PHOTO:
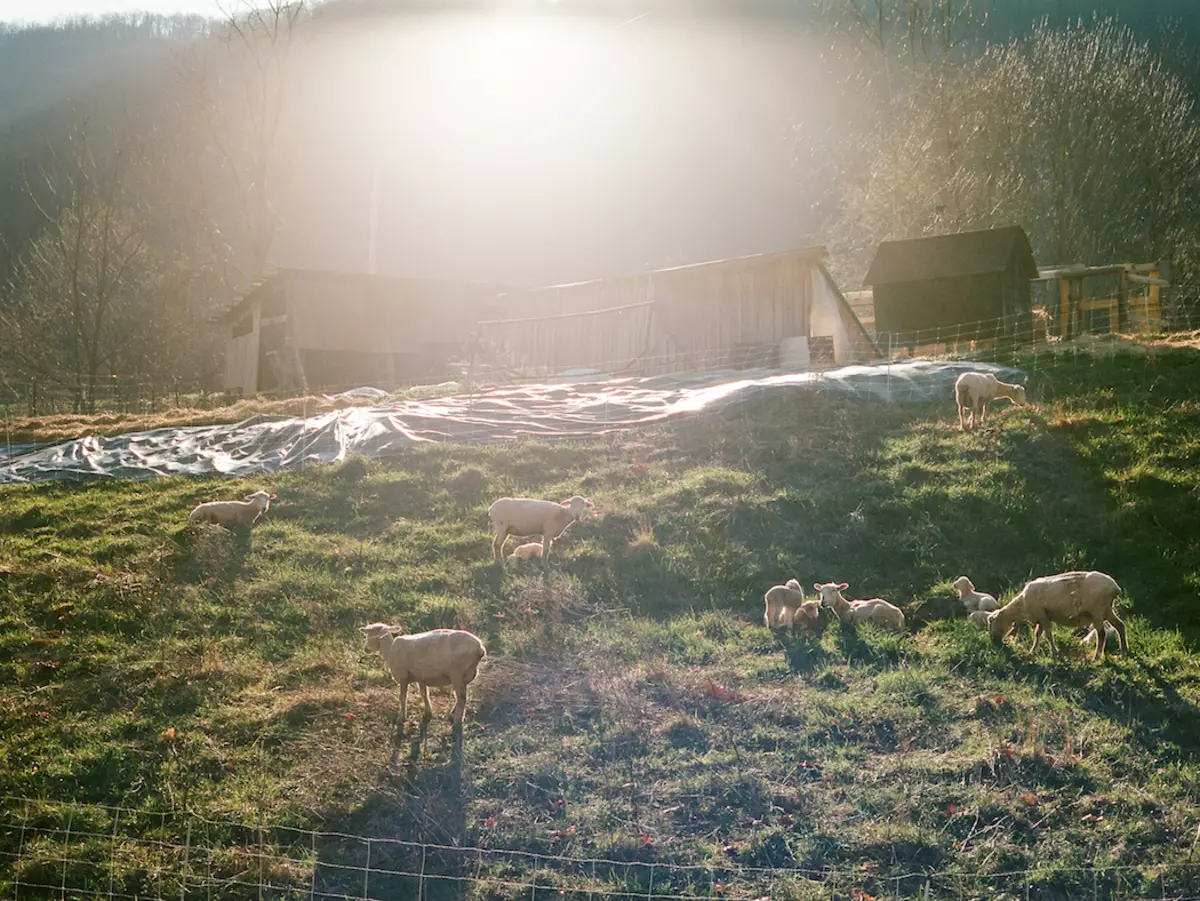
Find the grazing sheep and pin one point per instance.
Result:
(875, 610)
(431, 659)
(786, 606)
(973, 391)
(973, 600)
(527, 516)
(226, 513)
(526, 551)
(1069, 599)
(981, 619)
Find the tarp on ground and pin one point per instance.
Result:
(264, 444)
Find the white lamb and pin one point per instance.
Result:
(973, 600)
(227, 513)
(974, 390)
(526, 551)
(980, 619)
(786, 606)
(431, 659)
(525, 516)
(875, 610)
(1069, 599)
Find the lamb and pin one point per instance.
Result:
(875, 610)
(526, 551)
(527, 516)
(1070, 599)
(431, 659)
(973, 600)
(227, 513)
(786, 606)
(980, 619)
(973, 391)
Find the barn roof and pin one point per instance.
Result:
(277, 275)
(983, 252)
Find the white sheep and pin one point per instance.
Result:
(227, 513)
(526, 551)
(431, 659)
(875, 610)
(785, 605)
(525, 516)
(1069, 599)
(980, 619)
(974, 390)
(973, 600)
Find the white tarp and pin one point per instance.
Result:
(545, 411)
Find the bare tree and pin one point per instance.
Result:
(89, 287)
(1079, 134)
(236, 89)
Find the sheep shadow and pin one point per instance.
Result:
(1124, 689)
(207, 551)
(803, 650)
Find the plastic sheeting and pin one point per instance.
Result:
(264, 444)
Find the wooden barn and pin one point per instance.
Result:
(302, 328)
(947, 288)
(762, 310)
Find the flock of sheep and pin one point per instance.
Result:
(451, 657)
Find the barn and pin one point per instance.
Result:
(761, 310)
(301, 327)
(966, 286)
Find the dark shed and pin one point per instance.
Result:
(953, 287)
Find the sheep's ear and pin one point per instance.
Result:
(273, 496)
(364, 629)
(842, 586)
(588, 504)
(816, 586)
(563, 504)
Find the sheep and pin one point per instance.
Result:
(431, 659)
(1070, 599)
(973, 600)
(227, 513)
(875, 610)
(973, 391)
(785, 606)
(526, 551)
(527, 516)
(980, 619)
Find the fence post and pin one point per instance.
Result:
(366, 873)
(187, 848)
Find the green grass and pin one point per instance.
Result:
(633, 707)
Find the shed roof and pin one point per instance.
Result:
(815, 253)
(982, 252)
(276, 276)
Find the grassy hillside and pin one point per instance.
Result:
(633, 707)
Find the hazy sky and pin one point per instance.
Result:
(47, 10)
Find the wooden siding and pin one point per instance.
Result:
(717, 314)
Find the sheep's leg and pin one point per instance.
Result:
(1050, 638)
(983, 413)
(1037, 638)
(403, 704)
(547, 543)
(962, 425)
(425, 696)
(498, 545)
(460, 704)
(1120, 627)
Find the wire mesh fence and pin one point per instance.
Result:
(70, 849)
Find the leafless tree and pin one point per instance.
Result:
(89, 292)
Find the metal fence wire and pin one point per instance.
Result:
(71, 849)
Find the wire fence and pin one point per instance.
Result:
(490, 361)
(77, 850)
